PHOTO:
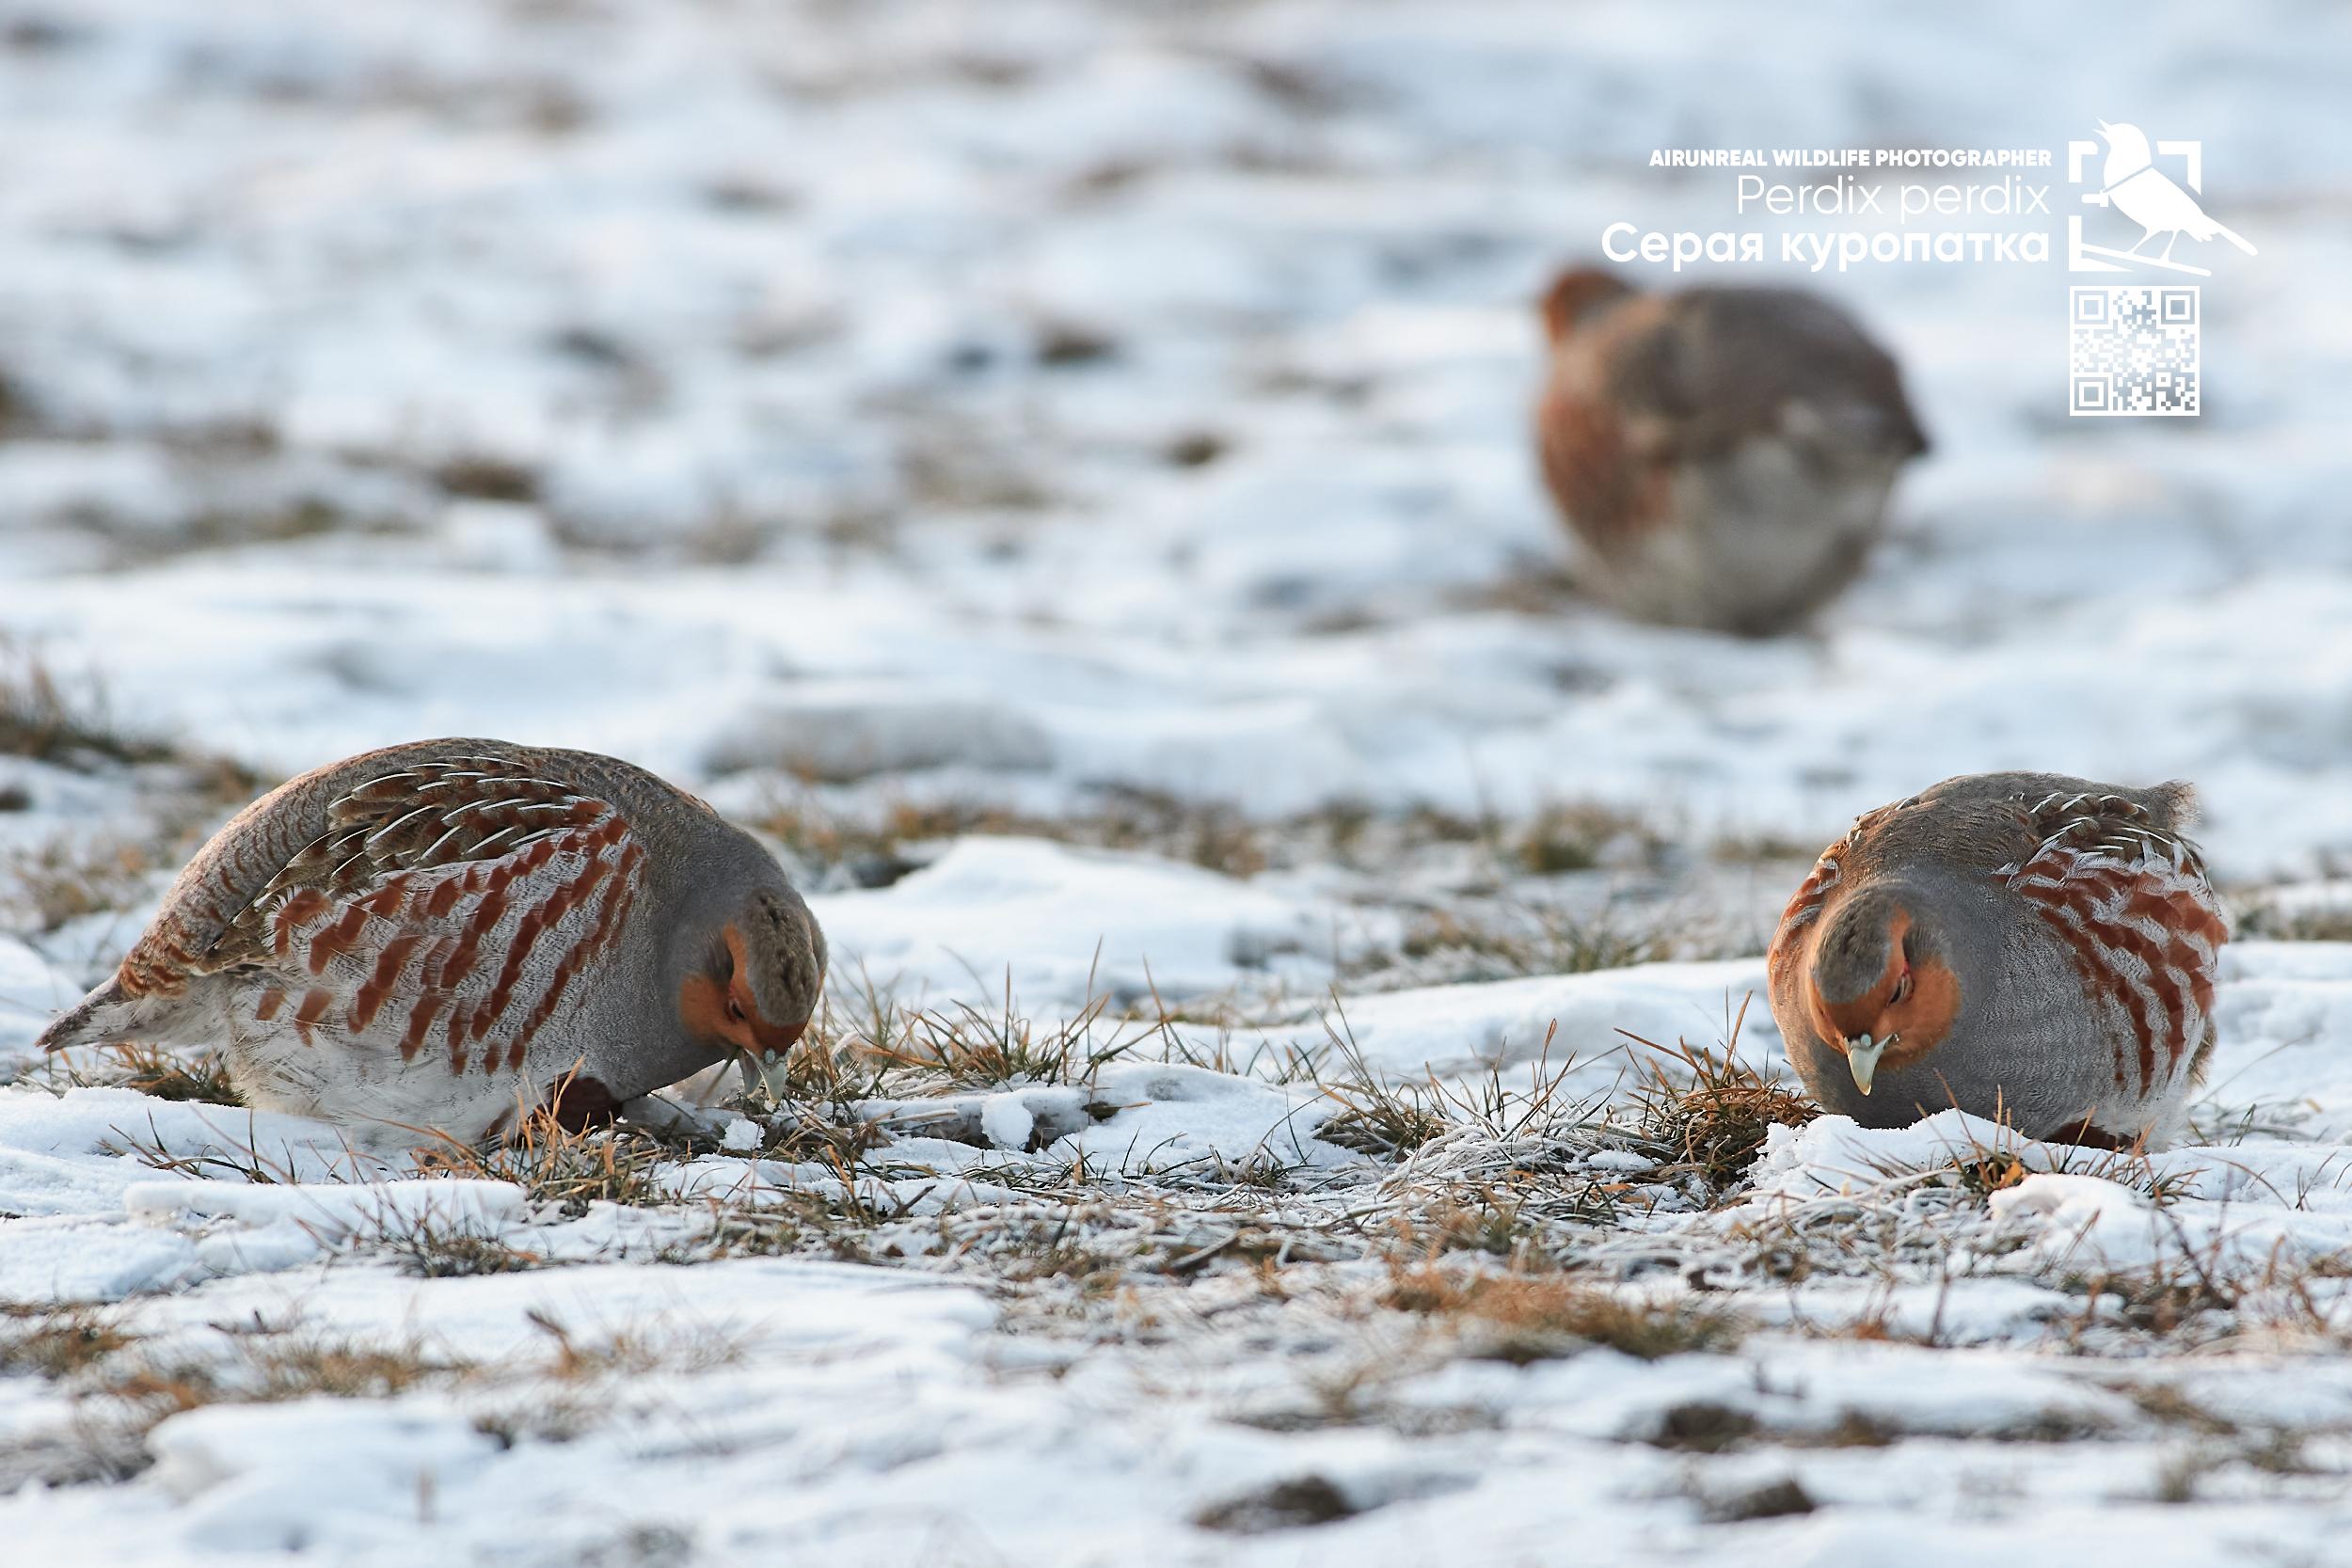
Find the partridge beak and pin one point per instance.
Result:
(2104, 128)
(764, 1074)
(764, 1068)
(1862, 1059)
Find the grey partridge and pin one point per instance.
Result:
(435, 936)
(2030, 947)
(1725, 455)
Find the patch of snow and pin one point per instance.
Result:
(1066, 924)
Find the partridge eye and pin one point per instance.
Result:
(734, 1009)
(1903, 988)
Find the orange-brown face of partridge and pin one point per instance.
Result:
(760, 986)
(1879, 988)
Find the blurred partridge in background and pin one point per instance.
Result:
(1725, 455)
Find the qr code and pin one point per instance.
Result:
(2132, 350)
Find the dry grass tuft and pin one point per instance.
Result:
(1487, 1220)
(294, 1366)
(296, 517)
(1035, 1247)
(1385, 1120)
(1521, 1318)
(54, 1342)
(1514, 1163)
(1703, 1426)
(558, 1165)
(874, 1046)
(961, 470)
(429, 1252)
(200, 1076)
(70, 877)
(2167, 1404)
(876, 849)
(872, 845)
(1535, 941)
(482, 477)
(2166, 1299)
(121, 1385)
(636, 1351)
(1389, 1119)
(1760, 849)
(43, 718)
(1292, 1504)
(2272, 921)
(1509, 938)
(1711, 1109)
(154, 1151)
(1582, 837)
(972, 1048)
(266, 1368)
(1777, 1499)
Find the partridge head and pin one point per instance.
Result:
(756, 983)
(1883, 985)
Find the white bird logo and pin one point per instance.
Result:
(2147, 196)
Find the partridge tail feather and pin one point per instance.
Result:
(104, 1016)
(2236, 238)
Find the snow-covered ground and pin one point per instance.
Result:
(1061, 471)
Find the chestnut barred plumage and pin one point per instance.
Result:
(434, 936)
(2024, 945)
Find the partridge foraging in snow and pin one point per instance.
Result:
(1724, 454)
(431, 936)
(2025, 946)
